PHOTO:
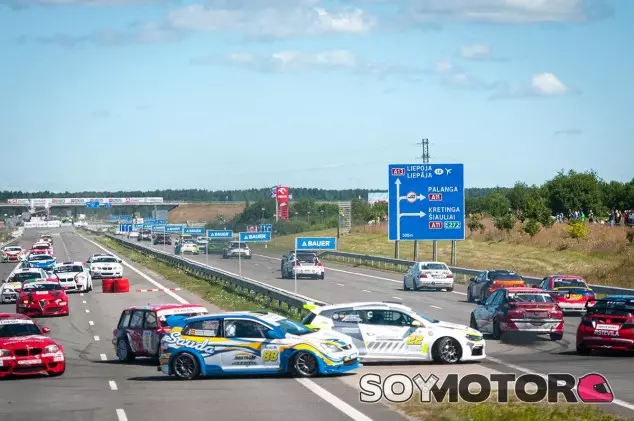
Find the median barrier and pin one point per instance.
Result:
(121, 285)
(107, 285)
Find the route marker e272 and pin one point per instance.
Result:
(426, 202)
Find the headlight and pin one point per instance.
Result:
(51, 349)
(5, 353)
(475, 337)
(331, 347)
(62, 303)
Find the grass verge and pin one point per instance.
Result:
(598, 267)
(215, 292)
(515, 411)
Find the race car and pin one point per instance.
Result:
(73, 276)
(41, 248)
(12, 286)
(608, 324)
(386, 331)
(569, 291)
(285, 258)
(104, 265)
(239, 343)
(12, 254)
(145, 235)
(303, 265)
(46, 238)
(429, 275)
(42, 261)
(156, 320)
(26, 350)
(237, 249)
(188, 247)
(42, 297)
(525, 310)
(488, 281)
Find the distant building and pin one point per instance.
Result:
(377, 197)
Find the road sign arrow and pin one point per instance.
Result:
(398, 181)
(421, 197)
(419, 214)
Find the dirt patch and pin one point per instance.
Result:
(205, 212)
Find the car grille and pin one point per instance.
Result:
(29, 369)
(476, 352)
(26, 352)
(350, 362)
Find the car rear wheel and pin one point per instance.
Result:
(305, 365)
(469, 296)
(582, 350)
(556, 336)
(497, 332)
(185, 366)
(124, 352)
(450, 289)
(447, 351)
(322, 276)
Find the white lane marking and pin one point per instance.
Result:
(81, 294)
(458, 292)
(141, 274)
(397, 298)
(96, 338)
(341, 285)
(121, 415)
(83, 302)
(91, 323)
(103, 357)
(365, 290)
(333, 400)
(618, 402)
(65, 248)
(87, 311)
(432, 306)
(113, 385)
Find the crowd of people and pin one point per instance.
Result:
(615, 218)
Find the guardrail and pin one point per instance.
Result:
(464, 274)
(247, 287)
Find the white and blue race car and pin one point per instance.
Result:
(239, 343)
(41, 261)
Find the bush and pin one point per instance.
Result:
(578, 230)
(531, 228)
(505, 223)
(630, 236)
(475, 223)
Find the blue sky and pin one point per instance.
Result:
(134, 94)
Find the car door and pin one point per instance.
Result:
(211, 331)
(151, 338)
(476, 285)
(407, 278)
(385, 332)
(482, 314)
(250, 348)
(135, 331)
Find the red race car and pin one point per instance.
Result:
(12, 254)
(42, 297)
(25, 351)
(569, 291)
(607, 324)
(528, 310)
(41, 248)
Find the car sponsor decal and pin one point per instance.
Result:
(16, 322)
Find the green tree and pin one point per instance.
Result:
(537, 210)
(575, 190)
(532, 227)
(498, 205)
(505, 222)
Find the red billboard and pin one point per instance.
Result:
(281, 196)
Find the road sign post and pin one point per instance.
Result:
(251, 237)
(426, 202)
(313, 243)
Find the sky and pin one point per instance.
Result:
(233, 94)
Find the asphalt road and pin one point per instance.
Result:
(536, 355)
(95, 387)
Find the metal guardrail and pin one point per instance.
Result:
(464, 273)
(243, 286)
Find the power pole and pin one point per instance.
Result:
(424, 143)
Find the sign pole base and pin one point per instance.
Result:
(454, 247)
(396, 249)
(434, 251)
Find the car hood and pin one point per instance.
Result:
(43, 295)
(39, 341)
(321, 336)
(67, 275)
(40, 262)
(455, 326)
(11, 286)
(105, 265)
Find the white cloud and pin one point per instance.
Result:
(272, 22)
(444, 67)
(475, 51)
(548, 84)
(544, 85)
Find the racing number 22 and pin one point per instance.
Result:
(415, 340)
(270, 355)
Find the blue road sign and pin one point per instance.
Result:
(107, 205)
(316, 243)
(124, 217)
(174, 228)
(158, 228)
(194, 231)
(149, 220)
(137, 226)
(220, 234)
(112, 217)
(159, 222)
(125, 227)
(92, 205)
(265, 227)
(147, 226)
(426, 202)
(255, 237)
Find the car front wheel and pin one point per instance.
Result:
(305, 365)
(185, 366)
(447, 351)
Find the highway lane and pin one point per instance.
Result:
(95, 387)
(345, 284)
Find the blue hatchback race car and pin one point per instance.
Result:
(239, 343)
(41, 261)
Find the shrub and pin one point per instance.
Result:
(578, 230)
(531, 228)
(475, 223)
(505, 223)
(630, 236)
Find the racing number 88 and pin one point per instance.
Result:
(270, 355)
(415, 340)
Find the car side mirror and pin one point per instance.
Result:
(46, 330)
(416, 323)
(275, 334)
(472, 280)
(119, 261)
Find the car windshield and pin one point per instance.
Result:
(506, 277)
(531, 297)
(239, 245)
(427, 318)
(42, 247)
(104, 260)
(569, 283)
(293, 327)
(12, 249)
(10, 328)
(617, 307)
(21, 277)
(434, 266)
(307, 258)
(41, 286)
(40, 257)
(68, 268)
